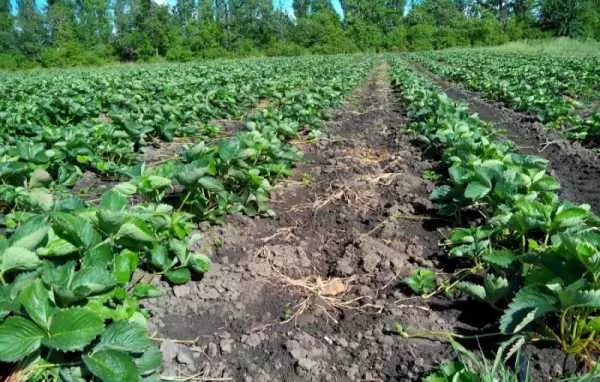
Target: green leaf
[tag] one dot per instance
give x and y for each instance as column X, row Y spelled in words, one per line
column 76, row 230
column 31, row 234
column 150, row 361
column 124, row 336
column 113, row 200
column 501, row 258
column 39, row 177
column 476, row 190
column 19, row 258
column 159, row 257
column 529, row 304
column 547, row 183
column 18, row 338
column 496, row 287
column 73, row 329
column 179, row 276
column 112, row 366
column 420, row 280
column 593, row 325
column 125, row 264
column 158, row 182
column 135, row 232
column 91, row 280
column 36, row 302
column 472, row 289
column 569, row 217
column 143, row 290
column 199, row 263
column 442, row 193
column 125, row 189
column 56, row 248
column 211, row 184
column 42, row 198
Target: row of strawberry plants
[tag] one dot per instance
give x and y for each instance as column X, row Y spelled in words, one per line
column 533, row 257
column 62, row 153
column 547, row 89
column 237, row 174
column 116, row 114
column 70, row 308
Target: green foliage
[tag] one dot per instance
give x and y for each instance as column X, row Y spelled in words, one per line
column 475, row 367
column 67, row 265
column 533, row 257
column 420, row 280
column 100, row 31
column 555, row 89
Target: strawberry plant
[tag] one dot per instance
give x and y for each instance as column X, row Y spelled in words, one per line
column 555, row 90
column 69, row 308
column 532, row 256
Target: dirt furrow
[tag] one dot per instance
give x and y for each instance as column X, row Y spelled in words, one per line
column 312, row 295
column 577, row 167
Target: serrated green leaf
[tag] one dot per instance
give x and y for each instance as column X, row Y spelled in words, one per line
column 56, row 248
column 124, row 336
column 125, row 264
column 35, row 300
column 143, row 290
column 19, row 337
column 76, row 230
column 501, row 258
column 42, row 198
column 73, row 329
column 179, row 276
column 211, row 184
column 476, row 190
column 547, row 183
column 31, row 234
column 125, row 189
column 420, row 280
column 150, row 361
column 159, row 257
column 135, row 232
column 529, row 304
column 199, row 263
column 91, row 280
column 472, row 289
column 19, row 258
column 441, row 193
column 112, row 366
column 113, row 200
column 496, row 287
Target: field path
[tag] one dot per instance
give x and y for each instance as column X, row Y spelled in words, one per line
column 576, row 167
column 312, row 295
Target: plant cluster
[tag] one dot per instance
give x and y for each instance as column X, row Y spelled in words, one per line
column 533, row 257
column 557, row 90
column 62, row 123
column 70, row 306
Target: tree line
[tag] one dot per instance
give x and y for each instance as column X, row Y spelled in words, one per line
column 90, row 32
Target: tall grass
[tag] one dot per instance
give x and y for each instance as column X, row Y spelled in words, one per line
column 563, row 46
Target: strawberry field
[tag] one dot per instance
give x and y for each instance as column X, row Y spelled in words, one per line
column 334, row 218
column 562, row 93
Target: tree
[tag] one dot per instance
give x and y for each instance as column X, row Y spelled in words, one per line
column 61, row 20
column 7, row 27
column 575, row 18
column 31, row 33
column 94, row 25
column 300, row 8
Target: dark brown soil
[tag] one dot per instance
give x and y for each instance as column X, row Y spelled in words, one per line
column 313, row 294
column 576, row 167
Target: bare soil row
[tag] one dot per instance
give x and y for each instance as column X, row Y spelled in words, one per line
column 314, row 294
